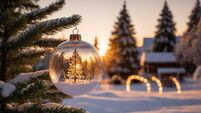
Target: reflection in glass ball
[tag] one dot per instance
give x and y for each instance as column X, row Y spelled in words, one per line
column 75, row 67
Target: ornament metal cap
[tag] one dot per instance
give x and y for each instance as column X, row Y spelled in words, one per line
column 75, row 37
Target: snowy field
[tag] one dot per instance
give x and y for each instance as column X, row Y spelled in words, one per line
column 114, row 99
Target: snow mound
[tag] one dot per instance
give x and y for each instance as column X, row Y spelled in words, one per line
column 1, row 83
column 26, row 76
column 105, row 94
column 7, row 89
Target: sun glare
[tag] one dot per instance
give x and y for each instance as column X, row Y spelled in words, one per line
column 102, row 50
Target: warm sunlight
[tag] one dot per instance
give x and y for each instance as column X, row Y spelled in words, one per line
column 103, row 49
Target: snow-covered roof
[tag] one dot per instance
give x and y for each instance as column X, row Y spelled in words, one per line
column 171, row 70
column 158, row 57
column 148, row 41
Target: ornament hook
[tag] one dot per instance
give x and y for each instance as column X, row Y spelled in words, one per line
column 75, row 30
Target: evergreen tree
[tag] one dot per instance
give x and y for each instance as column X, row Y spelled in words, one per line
column 75, row 70
column 165, row 38
column 184, row 45
column 86, row 67
column 23, row 39
column 62, row 76
column 121, row 57
column 194, row 17
column 24, row 32
column 61, row 68
column 92, row 69
column 96, row 43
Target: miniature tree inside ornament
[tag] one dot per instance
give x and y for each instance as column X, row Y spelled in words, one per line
column 75, row 67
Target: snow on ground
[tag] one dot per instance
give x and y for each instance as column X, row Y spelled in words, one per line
column 115, row 99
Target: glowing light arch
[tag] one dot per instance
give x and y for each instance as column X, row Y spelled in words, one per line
column 178, row 85
column 159, row 84
column 139, row 78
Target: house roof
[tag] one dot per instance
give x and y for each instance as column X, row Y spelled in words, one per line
column 158, row 57
column 170, row 70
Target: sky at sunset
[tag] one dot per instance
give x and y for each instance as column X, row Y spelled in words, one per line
column 99, row 16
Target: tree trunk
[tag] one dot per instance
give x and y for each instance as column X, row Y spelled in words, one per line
column 3, row 64
column 3, row 57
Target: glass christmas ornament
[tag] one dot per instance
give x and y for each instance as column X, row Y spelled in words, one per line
column 75, row 67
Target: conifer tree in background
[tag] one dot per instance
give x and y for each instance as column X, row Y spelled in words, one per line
column 194, row 17
column 23, row 39
column 121, row 57
column 184, row 47
column 165, row 38
column 188, row 50
column 96, row 43
column 75, row 70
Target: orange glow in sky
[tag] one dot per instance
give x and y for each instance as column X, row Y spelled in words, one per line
column 99, row 16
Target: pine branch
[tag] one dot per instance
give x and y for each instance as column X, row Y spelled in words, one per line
column 13, row 70
column 30, row 90
column 26, row 57
column 41, row 108
column 35, row 89
column 38, row 14
column 53, row 94
column 59, row 109
column 49, row 27
column 38, row 91
column 26, row 4
column 48, row 42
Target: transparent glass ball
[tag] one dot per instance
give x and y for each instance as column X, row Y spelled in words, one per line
column 75, row 67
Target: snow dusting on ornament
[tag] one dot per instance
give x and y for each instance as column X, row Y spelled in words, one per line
column 75, row 67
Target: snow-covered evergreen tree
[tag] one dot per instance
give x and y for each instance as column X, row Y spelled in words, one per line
column 62, row 68
column 121, row 57
column 62, row 75
column 188, row 50
column 24, row 38
column 194, row 17
column 25, row 33
column 165, row 38
column 183, row 48
column 75, row 70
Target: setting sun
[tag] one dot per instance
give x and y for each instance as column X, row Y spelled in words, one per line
column 103, row 49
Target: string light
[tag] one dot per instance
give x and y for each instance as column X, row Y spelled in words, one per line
column 159, row 84
column 139, row 78
column 178, row 85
